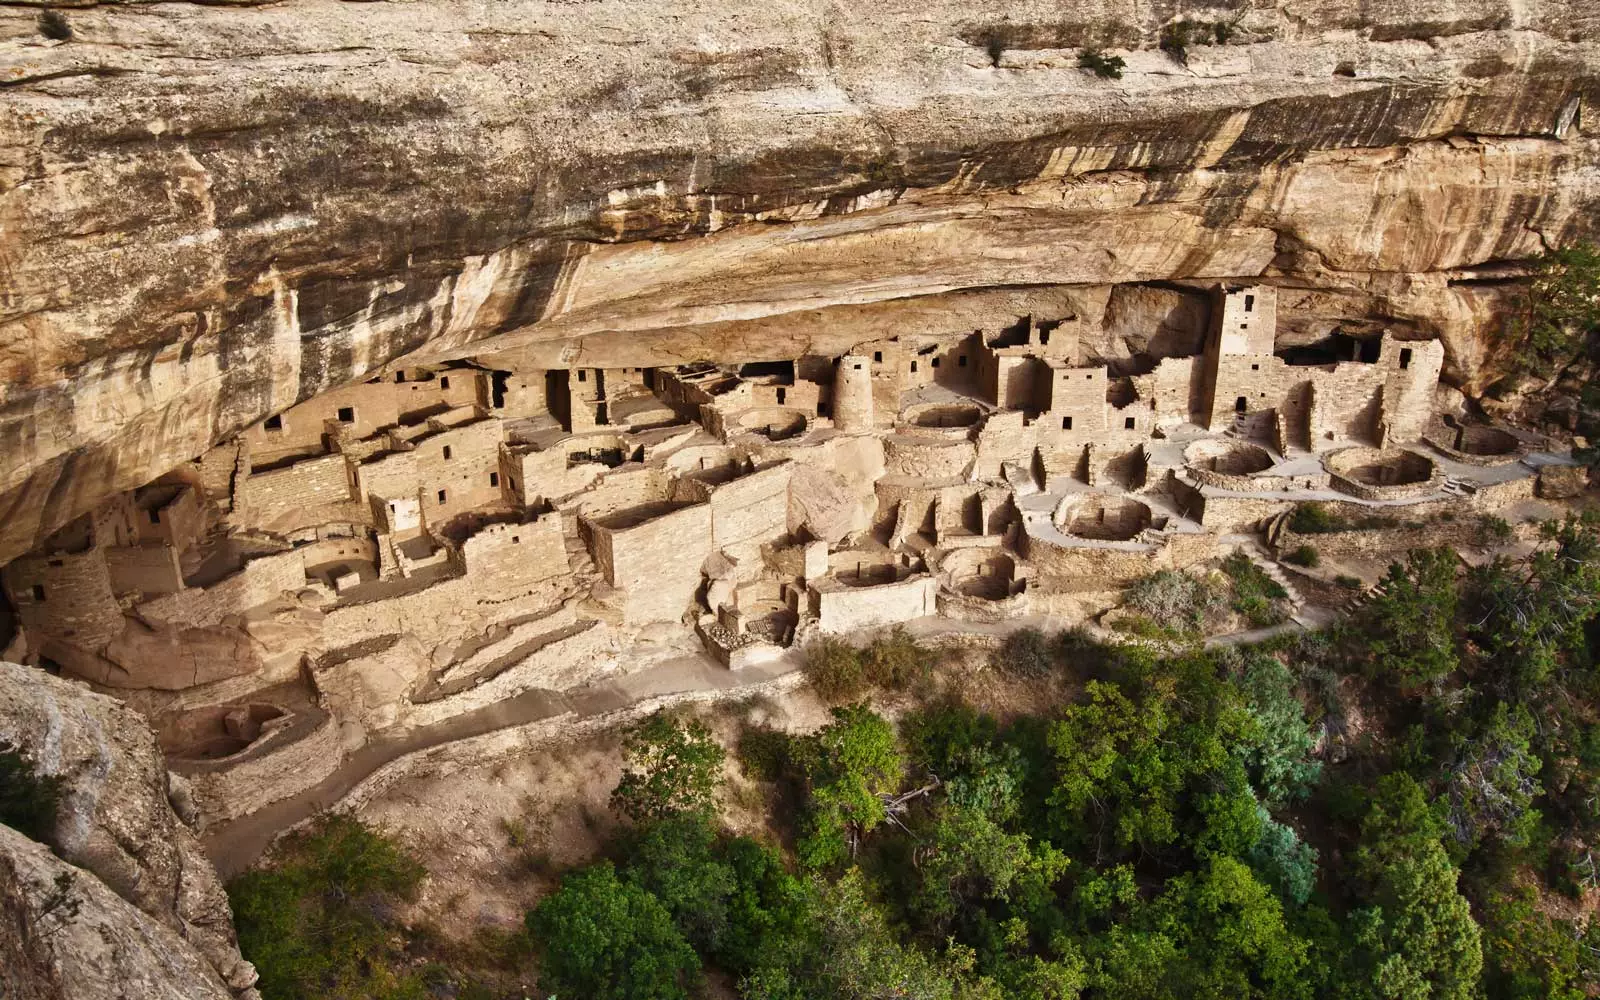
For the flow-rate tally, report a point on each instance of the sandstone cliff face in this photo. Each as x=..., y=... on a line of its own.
x=139, y=866
x=211, y=212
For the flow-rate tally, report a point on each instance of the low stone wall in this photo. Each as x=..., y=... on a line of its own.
x=964, y=607
x=566, y=662
x=840, y=608
x=1096, y=567
x=259, y=581
x=274, y=774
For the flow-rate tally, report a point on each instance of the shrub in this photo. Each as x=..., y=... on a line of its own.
x=1027, y=652
x=53, y=25
x=1494, y=530
x=672, y=766
x=1104, y=66
x=1256, y=595
x=1315, y=519
x=1174, y=600
x=1348, y=582
x=311, y=922
x=896, y=661
x=835, y=671
x=28, y=799
x=1305, y=555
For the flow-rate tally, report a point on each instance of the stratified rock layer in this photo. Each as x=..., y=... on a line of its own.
x=118, y=824
x=211, y=212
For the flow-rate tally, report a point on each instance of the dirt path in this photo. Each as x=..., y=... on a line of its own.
x=235, y=845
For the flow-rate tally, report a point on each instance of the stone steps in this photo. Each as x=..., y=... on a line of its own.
x=1275, y=573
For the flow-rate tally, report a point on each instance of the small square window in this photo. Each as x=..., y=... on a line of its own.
x=446, y=451
x=441, y=496
x=855, y=367
x=38, y=591
x=1066, y=423
x=961, y=361
x=516, y=539
x=583, y=376
x=1249, y=302
x=347, y=414
x=1044, y=336
x=274, y=423
x=935, y=362
x=1244, y=326
x=399, y=377
x=391, y=507
x=1127, y=424
x=877, y=357
x=494, y=479
x=913, y=367
x=1255, y=368
x=444, y=383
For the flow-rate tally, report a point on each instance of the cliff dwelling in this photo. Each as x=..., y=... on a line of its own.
x=441, y=537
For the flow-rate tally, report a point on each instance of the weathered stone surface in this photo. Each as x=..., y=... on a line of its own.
x=67, y=935
x=116, y=820
x=212, y=212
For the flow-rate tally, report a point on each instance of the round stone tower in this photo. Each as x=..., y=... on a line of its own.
x=852, y=394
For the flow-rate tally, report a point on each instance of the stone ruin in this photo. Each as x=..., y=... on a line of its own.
x=421, y=545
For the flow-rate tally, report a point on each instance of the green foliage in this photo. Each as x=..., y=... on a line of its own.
x=605, y=938
x=969, y=859
x=835, y=671
x=1407, y=627
x=310, y=921
x=895, y=661
x=1256, y=596
x=1101, y=65
x=1179, y=36
x=674, y=860
x=1230, y=935
x=1282, y=860
x=1414, y=936
x=671, y=766
x=1025, y=652
x=1348, y=582
x=848, y=765
x=28, y=799
x=1561, y=310
x=1494, y=530
x=1315, y=519
x=1304, y=555
x=1176, y=601
x=1529, y=955
x=1494, y=780
x=1279, y=751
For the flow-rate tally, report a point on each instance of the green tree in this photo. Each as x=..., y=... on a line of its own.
x=848, y=766
x=1231, y=935
x=1279, y=752
x=675, y=860
x=1414, y=937
x=1282, y=860
x=604, y=938
x=1529, y=955
x=671, y=766
x=1406, y=632
x=771, y=924
x=968, y=860
x=1560, y=313
x=311, y=922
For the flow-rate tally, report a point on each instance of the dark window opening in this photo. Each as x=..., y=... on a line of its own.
x=1127, y=423
x=961, y=361
x=347, y=415
x=1240, y=404
x=583, y=376
x=391, y=506
x=856, y=367
x=913, y=367
x=441, y=496
x=446, y=451
x=511, y=481
x=516, y=539
x=783, y=394
x=1244, y=326
x=155, y=516
x=1066, y=423
x=497, y=384
x=1405, y=357
x=1044, y=336
x=935, y=362
x=1255, y=368
x=494, y=479
x=38, y=591
x=399, y=377
x=1249, y=303
x=274, y=423
x=877, y=357
x=444, y=383
x=600, y=414
x=1370, y=350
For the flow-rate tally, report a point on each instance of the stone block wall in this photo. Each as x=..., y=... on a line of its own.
x=371, y=407
x=752, y=508
x=144, y=569
x=516, y=554
x=301, y=487
x=66, y=595
x=839, y=609
x=656, y=564
x=259, y=581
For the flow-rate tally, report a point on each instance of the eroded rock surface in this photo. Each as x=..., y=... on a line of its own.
x=117, y=824
x=212, y=212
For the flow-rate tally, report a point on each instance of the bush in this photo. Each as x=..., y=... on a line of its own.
x=1493, y=530
x=53, y=25
x=1315, y=519
x=1256, y=596
x=1174, y=600
x=896, y=661
x=28, y=799
x=835, y=671
x=1027, y=652
x=672, y=766
x=1104, y=66
x=311, y=922
x=1349, y=582
x=1305, y=555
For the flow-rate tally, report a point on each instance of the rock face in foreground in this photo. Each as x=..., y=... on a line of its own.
x=150, y=906
x=211, y=212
